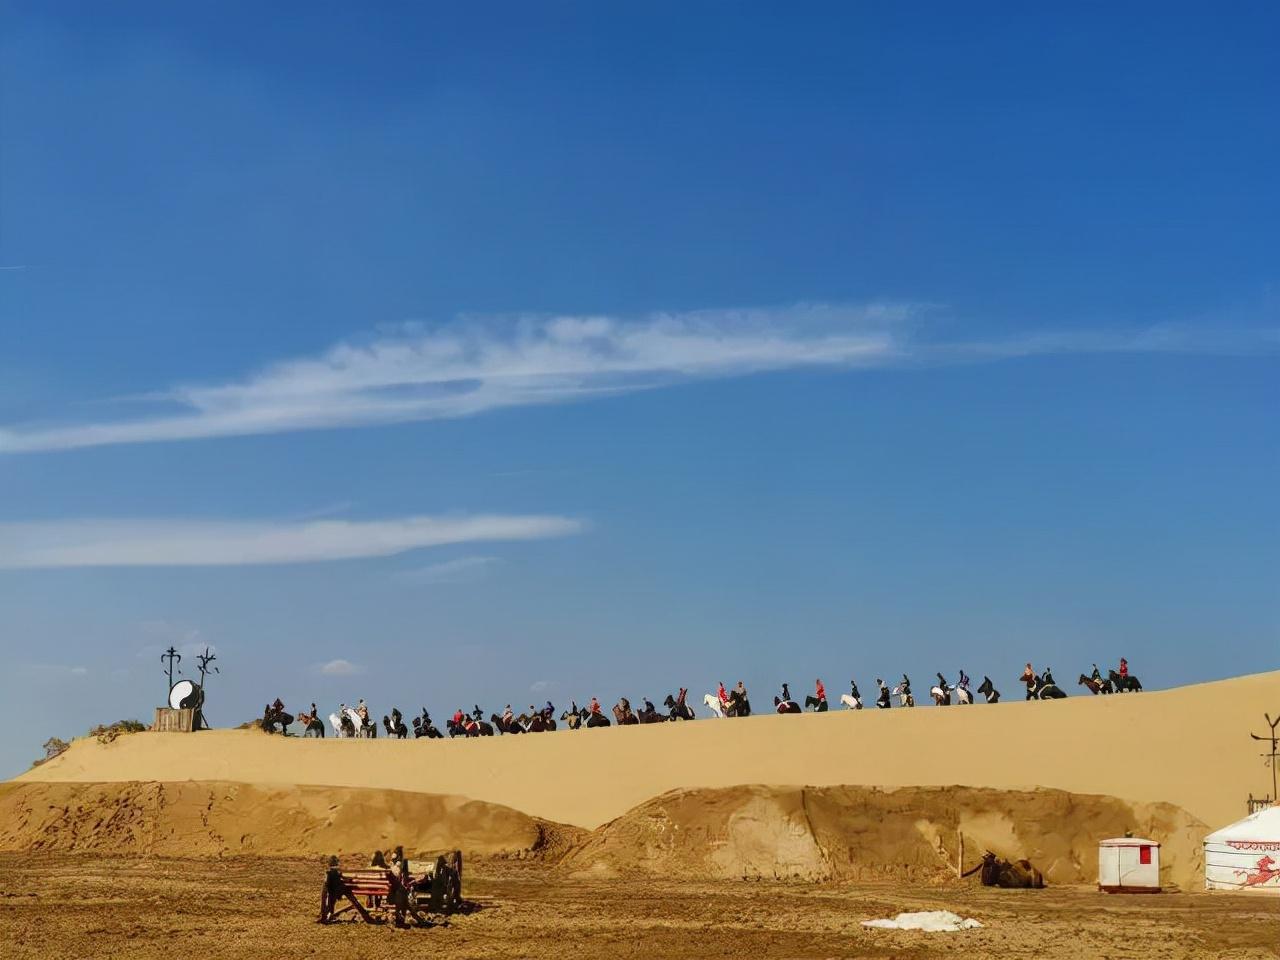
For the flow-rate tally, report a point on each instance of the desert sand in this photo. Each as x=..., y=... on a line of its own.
x=1187, y=746
x=767, y=836
x=256, y=909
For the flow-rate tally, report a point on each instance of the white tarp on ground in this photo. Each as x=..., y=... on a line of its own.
x=931, y=921
x=1245, y=855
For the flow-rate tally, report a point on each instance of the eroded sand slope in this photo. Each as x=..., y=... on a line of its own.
x=214, y=819
x=859, y=833
x=754, y=832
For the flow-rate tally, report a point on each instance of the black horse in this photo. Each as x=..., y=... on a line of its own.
x=988, y=690
x=818, y=706
x=649, y=713
x=1128, y=684
x=425, y=728
x=395, y=725
x=1043, y=688
x=505, y=726
x=677, y=708
x=786, y=706
x=470, y=726
x=738, y=706
x=884, y=699
x=274, y=714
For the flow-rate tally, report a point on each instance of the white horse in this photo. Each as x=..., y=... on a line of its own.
x=941, y=697
x=357, y=722
x=906, y=699
x=713, y=704
x=963, y=696
x=336, y=722
x=850, y=701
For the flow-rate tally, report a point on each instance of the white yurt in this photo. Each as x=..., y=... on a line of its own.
x=1129, y=865
x=1245, y=855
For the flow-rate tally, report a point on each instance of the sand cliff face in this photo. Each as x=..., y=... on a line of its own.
x=861, y=833
x=1187, y=746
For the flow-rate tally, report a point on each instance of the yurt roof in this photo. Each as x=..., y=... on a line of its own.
x=1128, y=842
x=1263, y=825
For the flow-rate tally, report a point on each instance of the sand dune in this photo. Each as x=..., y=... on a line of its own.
x=1188, y=746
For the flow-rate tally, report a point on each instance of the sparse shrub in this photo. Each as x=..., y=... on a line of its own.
x=108, y=732
x=52, y=748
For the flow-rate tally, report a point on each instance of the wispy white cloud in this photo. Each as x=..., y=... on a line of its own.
x=475, y=365
x=460, y=570
x=142, y=542
x=339, y=668
x=542, y=686
x=472, y=366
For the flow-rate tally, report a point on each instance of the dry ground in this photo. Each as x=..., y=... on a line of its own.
x=84, y=906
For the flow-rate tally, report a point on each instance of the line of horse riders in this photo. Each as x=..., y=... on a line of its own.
x=357, y=722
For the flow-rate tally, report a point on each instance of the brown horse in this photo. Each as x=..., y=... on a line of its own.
x=623, y=713
x=1095, y=686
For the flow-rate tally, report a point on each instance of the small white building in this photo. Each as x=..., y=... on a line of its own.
x=1129, y=865
x=1245, y=855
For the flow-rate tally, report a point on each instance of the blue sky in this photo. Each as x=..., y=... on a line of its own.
x=559, y=350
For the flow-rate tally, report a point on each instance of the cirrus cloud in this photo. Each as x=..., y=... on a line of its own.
x=473, y=365
x=187, y=543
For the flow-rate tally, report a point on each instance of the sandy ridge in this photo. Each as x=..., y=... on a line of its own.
x=1187, y=746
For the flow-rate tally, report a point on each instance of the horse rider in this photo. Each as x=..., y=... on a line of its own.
x=963, y=682
x=853, y=690
x=786, y=693
x=508, y=716
x=942, y=683
x=1124, y=669
x=595, y=706
x=1047, y=677
x=459, y=717
x=882, y=699
x=741, y=692
x=724, y=697
x=906, y=685
x=1096, y=676
x=819, y=695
